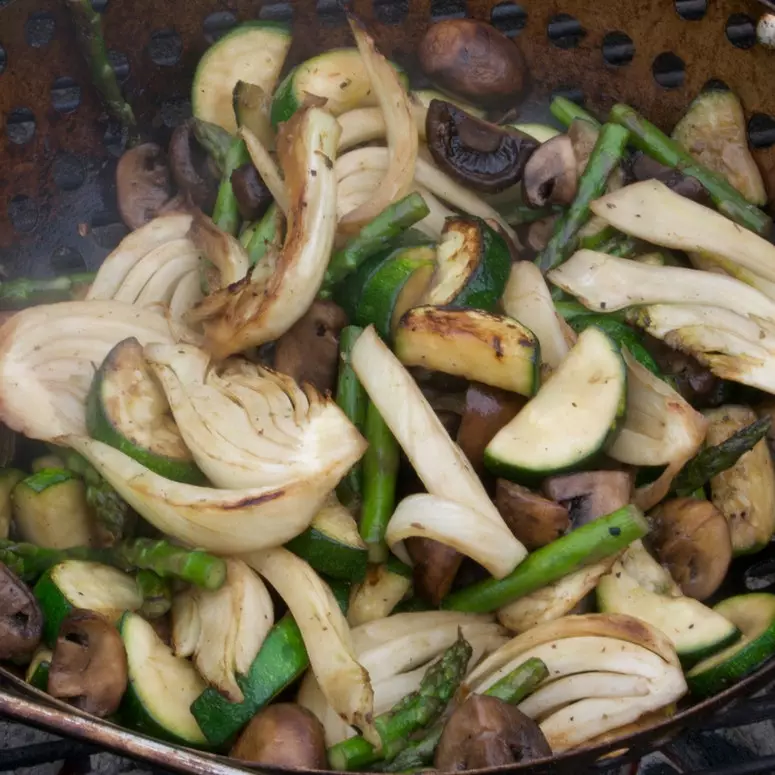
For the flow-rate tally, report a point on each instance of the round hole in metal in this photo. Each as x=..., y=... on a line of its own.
x=276, y=12
x=217, y=24
x=330, y=12
x=391, y=11
x=69, y=172
x=165, y=47
x=715, y=84
x=618, y=48
x=741, y=30
x=120, y=63
x=572, y=93
x=761, y=130
x=668, y=70
x=3, y=60
x=65, y=95
x=115, y=138
x=691, y=10
x=175, y=111
x=39, y=29
x=509, y=18
x=23, y=213
x=66, y=260
x=20, y=126
x=565, y=31
x=447, y=9
x=100, y=6
x=106, y=230
x=4, y=3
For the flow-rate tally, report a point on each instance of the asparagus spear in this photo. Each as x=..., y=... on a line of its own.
x=512, y=688
x=374, y=237
x=267, y=232
x=585, y=545
x=167, y=560
x=566, y=112
x=214, y=139
x=413, y=712
x=113, y=516
x=156, y=592
x=604, y=159
x=573, y=310
x=729, y=201
x=519, y=215
x=353, y=401
x=88, y=27
x=24, y=292
x=712, y=461
x=226, y=212
x=380, y=469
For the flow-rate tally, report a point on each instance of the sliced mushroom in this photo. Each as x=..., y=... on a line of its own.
x=21, y=620
x=484, y=157
x=89, y=665
x=143, y=184
x=591, y=494
x=192, y=169
x=551, y=174
x=540, y=232
x=283, y=735
x=435, y=568
x=309, y=351
x=487, y=732
x=643, y=167
x=691, y=537
x=487, y=410
x=253, y=196
x=534, y=520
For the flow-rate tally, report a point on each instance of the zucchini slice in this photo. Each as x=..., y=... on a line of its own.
x=87, y=585
x=472, y=266
x=479, y=346
x=337, y=75
x=9, y=478
x=127, y=409
x=754, y=616
x=253, y=52
x=251, y=109
x=161, y=686
x=37, y=671
x=570, y=419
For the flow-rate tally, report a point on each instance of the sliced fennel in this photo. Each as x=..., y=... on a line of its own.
x=222, y=250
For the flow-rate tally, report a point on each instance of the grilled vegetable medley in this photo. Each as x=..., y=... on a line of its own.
x=396, y=435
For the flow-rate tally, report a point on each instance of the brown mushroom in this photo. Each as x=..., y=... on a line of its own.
x=487, y=732
x=435, y=568
x=143, y=184
x=691, y=537
x=643, y=167
x=474, y=61
x=483, y=156
x=309, y=351
x=487, y=410
x=89, y=665
x=252, y=195
x=192, y=169
x=283, y=735
x=21, y=620
x=590, y=494
x=534, y=520
x=540, y=232
x=551, y=174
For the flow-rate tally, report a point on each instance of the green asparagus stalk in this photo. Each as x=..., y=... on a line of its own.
x=380, y=470
x=415, y=711
x=566, y=112
x=193, y=566
x=729, y=201
x=604, y=159
x=520, y=215
x=24, y=291
x=374, y=237
x=353, y=401
x=114, y=518
x=263, y=235
x=586, y=545
x=215, y=140
x=512, y=688
x=571, y=311
x=226, y=212
x=156, y=592
x=88, y=26
x=712, y=461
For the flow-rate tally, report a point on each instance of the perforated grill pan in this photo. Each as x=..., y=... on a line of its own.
x=58, y=153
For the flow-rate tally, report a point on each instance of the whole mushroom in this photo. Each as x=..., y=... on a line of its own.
x=143, y=185
x=21, y=620
x=591, y=494
x=487, y=732
x=89, y=664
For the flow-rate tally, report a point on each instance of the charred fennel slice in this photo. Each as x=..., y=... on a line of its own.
x=570, y=419
x=754, y=615
x=127, y=409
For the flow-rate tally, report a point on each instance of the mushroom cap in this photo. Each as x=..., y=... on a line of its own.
x=590, y=494
x=551, y=173
x=487, y=732
x=143, y=184
x=21, y=620
x=483, y=156
x=253, y=196
x=89, y=664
